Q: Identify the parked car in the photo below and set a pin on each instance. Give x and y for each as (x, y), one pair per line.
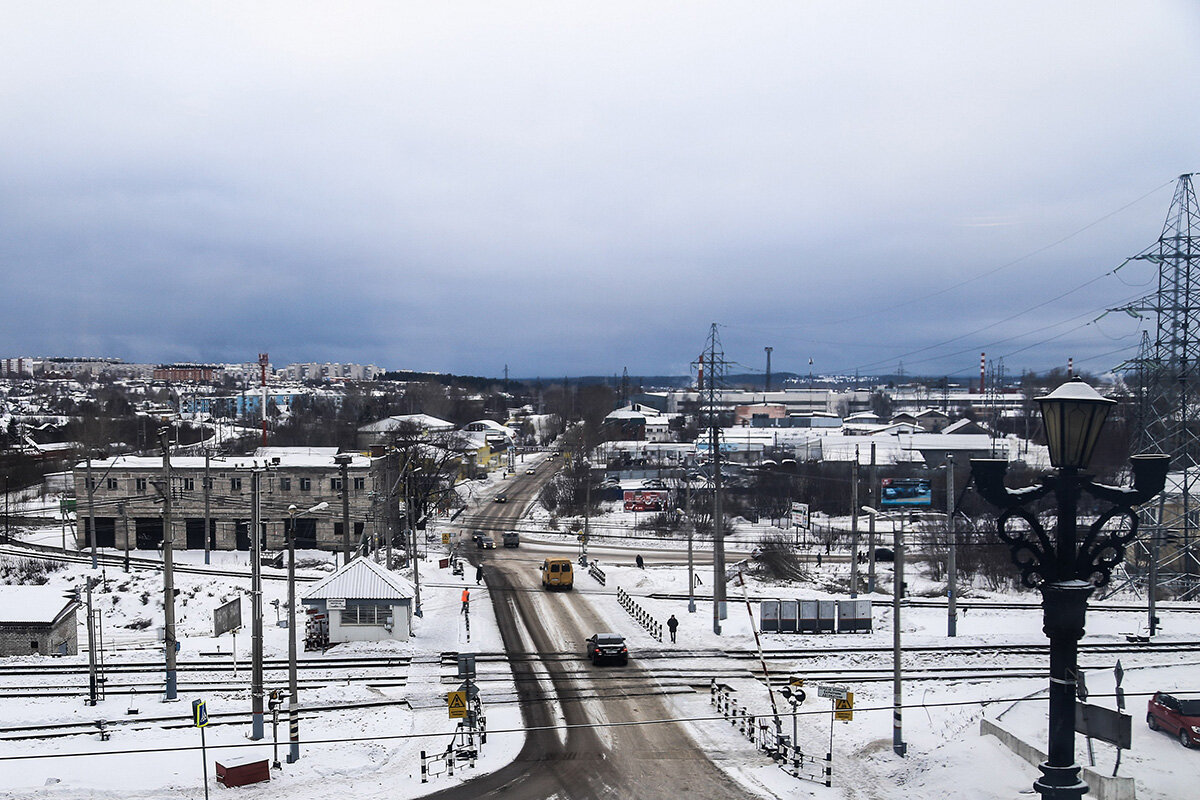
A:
(610, 646)
(1179, 717)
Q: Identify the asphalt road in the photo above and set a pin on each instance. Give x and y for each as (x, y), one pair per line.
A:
(594, 757)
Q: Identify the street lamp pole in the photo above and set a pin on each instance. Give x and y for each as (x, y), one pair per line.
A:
(1068, 567)
(343, 461)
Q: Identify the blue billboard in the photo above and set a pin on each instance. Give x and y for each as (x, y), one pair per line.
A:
(906, 492)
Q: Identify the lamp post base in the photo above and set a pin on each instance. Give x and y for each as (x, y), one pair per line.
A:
(1060, 783)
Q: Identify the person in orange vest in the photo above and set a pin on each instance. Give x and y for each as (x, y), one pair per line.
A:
(466, 606)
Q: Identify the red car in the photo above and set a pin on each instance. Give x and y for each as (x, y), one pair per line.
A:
(1178, 717)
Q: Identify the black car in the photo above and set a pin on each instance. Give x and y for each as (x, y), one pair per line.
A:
(501, 498)
(608, 646)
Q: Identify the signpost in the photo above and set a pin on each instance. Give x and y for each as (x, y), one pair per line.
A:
(200, 720)
(456, 704)
(336, 604)
(843, 709)
(227, 618)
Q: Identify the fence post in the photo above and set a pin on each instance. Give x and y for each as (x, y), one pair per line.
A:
(424, 769)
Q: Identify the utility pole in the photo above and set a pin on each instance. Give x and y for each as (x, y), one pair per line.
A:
(125, 527)
(164, 434)
(263, 361)
(207, 515)
(343, 461)
(293, 684)
(898, 745)
(952, 566)
(256, 622)
(854, 527)
(91, 492)
(873, 477)
(93, 683)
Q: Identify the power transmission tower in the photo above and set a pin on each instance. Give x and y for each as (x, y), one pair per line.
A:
(712, 368)
(1168, 394)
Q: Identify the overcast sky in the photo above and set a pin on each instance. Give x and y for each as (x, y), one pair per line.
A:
(577, 188)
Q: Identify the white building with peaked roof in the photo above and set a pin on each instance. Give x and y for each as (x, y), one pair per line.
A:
(364, 603)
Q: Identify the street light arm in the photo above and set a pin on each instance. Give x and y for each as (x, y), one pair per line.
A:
(988, 474)
(1149, 478)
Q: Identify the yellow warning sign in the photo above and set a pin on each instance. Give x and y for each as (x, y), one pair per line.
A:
(844, 709)
(456, 702)
(445, 537)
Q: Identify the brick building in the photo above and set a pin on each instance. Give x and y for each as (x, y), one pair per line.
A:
(37, 620)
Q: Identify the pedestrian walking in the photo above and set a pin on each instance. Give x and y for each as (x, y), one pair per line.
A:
(479, 574)
(818, 559)
(466, 606)
(640, 563)
(672, 624)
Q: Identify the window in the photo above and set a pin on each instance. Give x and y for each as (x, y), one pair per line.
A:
(366, 615)
(360, 484)
(285, 483)
(112, 484)
(189, 484)
(306, 484)
(235, 484)
(335, 484)
(139, 485)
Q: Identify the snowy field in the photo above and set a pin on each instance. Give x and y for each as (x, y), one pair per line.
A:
(375, 752)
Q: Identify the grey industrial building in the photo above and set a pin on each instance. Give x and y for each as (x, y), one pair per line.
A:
(125, 499)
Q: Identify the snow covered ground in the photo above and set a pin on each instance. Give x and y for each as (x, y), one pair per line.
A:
(375, 752)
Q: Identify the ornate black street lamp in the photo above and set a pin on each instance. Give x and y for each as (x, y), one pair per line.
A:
(1068, 567)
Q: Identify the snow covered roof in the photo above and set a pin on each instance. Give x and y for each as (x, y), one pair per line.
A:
(422, 421)
(361, 579)
(39, 605)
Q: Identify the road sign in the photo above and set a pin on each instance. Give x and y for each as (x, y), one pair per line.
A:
(843, 708)
(796, 680)
(227, 617)
(456, 703)
(445, 537)
(199, 714)
(832, 692)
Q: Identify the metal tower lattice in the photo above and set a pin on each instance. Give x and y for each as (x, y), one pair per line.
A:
(1167, 374)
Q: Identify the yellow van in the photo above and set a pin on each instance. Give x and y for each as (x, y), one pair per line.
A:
(557, 573)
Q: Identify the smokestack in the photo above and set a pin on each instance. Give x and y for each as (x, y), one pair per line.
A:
(982, 371)
(1070, 368)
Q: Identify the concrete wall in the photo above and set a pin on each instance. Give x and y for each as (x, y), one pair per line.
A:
(1102, 787)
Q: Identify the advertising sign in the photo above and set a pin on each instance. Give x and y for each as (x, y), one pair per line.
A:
(906, 492)
(800, 515)
(645, 500)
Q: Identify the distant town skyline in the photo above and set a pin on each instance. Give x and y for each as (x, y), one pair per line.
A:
(575, 190)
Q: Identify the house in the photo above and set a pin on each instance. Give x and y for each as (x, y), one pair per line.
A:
(363, 602)
(37, 620)
(383, 431)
